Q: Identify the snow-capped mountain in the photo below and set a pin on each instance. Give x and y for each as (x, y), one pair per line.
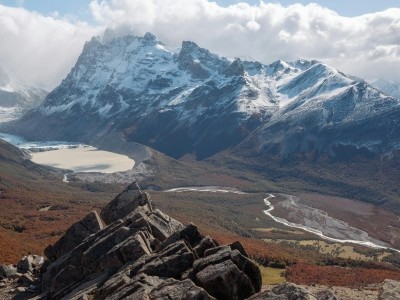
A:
(389, 87)
(325, 111)
(193, 101)
(14, 93)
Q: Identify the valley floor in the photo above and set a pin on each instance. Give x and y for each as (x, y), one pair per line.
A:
(36, 208)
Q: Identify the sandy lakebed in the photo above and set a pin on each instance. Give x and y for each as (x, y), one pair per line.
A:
(84, 159)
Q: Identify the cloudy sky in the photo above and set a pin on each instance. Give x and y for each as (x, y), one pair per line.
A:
(40, 40)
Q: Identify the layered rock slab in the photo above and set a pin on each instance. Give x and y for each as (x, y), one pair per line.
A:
(142, 253)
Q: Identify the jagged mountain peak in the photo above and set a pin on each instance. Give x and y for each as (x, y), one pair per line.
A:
(303, 64)
(200, 62)
(191, 58)
(189, 46)
(129, 42)
(149, 37)
(94, 42)
(279, 65)
(235, 69)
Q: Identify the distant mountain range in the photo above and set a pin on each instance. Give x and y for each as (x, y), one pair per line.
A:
(390, 87)
(14, 93)
(192, 101)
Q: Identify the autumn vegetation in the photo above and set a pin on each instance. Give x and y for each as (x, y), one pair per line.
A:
(36, 208)
(338, 276)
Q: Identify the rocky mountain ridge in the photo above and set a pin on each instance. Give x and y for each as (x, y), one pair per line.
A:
(356, 117)
(192, 101)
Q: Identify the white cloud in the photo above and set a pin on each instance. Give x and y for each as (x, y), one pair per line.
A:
(253, 25)
(362, 45)
(38, 49)
(43, 49)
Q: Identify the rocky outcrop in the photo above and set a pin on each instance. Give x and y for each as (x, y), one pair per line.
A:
(23, 279)
(30, 263)
(141, 253)
(289, 291)
(124, 204)
(74, 236)
(390, 290)
(7, 271)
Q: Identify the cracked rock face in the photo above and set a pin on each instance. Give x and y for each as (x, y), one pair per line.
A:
(141, 253)
(74, 236)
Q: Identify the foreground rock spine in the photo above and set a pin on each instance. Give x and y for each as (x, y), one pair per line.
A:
(132, 251)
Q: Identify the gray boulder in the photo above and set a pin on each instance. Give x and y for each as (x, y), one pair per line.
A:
(170, 263)
(189, 234)
(162, 226)
(293, 291)
(37, 261)
(25, 264)
(205, 244)
(225, 281)
(26, 280)
(30, 263)
(7, 271)
(227, 274)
